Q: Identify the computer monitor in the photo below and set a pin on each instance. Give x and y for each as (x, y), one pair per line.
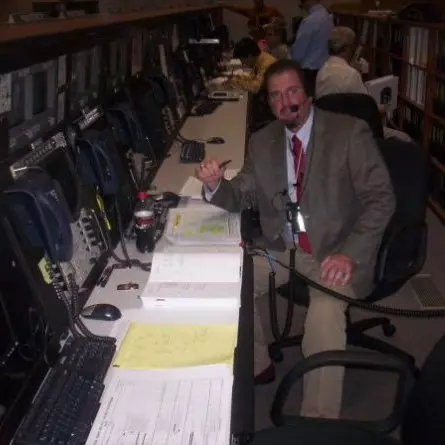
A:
(384, 90)
(33, 110)
(137, 53)
(8, 338)
(24, 338)
(118, 63)
(85, 80)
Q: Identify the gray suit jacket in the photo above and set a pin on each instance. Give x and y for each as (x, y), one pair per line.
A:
(347, 197)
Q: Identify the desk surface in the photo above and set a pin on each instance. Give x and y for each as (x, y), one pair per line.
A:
(228, 122)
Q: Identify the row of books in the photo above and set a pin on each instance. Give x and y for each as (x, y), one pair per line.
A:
(412, 122)
(415, 88)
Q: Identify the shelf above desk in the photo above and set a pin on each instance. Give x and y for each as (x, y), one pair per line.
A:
(50, 28)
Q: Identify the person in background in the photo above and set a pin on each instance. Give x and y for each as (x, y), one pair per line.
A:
(274, 43)
(337, 75)
(310, 48)
(257, 15)
(252, 57)
(310, 157)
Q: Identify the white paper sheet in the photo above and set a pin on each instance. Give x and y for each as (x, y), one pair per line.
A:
(208, 226)
(170, 407)
(187, 295)
(175, 267)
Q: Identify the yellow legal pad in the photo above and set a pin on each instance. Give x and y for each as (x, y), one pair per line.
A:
(151, 346)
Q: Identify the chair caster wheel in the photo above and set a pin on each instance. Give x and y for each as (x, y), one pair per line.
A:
(389, 330)
(275, 354)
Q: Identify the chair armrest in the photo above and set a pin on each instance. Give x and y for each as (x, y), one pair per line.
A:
(391, 239)
(355, 359)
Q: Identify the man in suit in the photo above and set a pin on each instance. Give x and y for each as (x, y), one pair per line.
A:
(330, 164)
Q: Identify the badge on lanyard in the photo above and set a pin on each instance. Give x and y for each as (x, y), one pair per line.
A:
(296, 218)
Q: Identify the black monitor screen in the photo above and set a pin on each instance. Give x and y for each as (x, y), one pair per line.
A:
(39, 92)
(23, 338)
(17, 114)
(8, 341)
(88, 70)
(117, 48)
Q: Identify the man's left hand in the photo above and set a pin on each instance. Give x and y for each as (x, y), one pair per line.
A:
(336, 270)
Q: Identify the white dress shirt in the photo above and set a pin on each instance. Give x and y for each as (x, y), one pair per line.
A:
(304, 135)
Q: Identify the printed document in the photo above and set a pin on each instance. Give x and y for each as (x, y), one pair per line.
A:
(189, 406)
(178, 267)
(164, 346)
(192, 295)
(203, 226)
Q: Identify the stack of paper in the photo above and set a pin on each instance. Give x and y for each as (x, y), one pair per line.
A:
(180, 406)
(164, 346)
(203, 226)
(193, 186)
(194, 279)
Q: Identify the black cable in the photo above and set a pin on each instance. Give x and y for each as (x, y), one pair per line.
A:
(372, 307)
(128, 262)
(73, 289)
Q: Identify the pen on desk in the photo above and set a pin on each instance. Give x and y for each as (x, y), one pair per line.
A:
(225, 163)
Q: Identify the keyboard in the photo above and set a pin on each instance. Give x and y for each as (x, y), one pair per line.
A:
(207, 107)
(67, 403)
(192, 152)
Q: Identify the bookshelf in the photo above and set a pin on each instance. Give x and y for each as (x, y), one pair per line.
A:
(416, 53)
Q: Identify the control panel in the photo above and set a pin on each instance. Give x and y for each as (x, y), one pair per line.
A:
(39, 152)
(88, 245)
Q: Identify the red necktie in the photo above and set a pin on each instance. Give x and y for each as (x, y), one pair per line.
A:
(298, 152)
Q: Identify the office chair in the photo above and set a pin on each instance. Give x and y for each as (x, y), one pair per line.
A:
(260, 113)
(402, 252)
(358, 105)
(419, 406)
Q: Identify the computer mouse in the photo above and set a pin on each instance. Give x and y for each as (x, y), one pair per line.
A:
(216, 140)
(168, 198)
(102, 311)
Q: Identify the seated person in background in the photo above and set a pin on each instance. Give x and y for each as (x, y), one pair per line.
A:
(251, 56)
(275, 46)
(346, 210)
(338, 76)
(258, 15)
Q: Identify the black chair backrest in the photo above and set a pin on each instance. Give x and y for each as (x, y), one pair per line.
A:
(358, 105)
(260, 113)
(424, 419)
(408, 166)
(404, 255)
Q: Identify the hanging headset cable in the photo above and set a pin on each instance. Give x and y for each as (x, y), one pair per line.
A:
(398, 312)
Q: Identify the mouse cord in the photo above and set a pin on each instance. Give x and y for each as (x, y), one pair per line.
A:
(74, 291)
(183, 140)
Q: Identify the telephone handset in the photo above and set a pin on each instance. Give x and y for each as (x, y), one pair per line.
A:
(97, 166)
(163, 86)
(39, 208)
